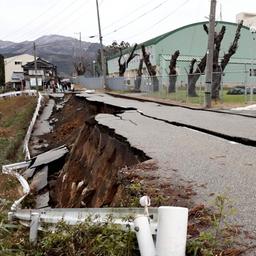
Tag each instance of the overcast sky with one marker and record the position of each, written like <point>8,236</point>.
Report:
<point>128,20</point>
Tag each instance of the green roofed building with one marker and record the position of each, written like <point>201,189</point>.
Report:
<point>191,41</point>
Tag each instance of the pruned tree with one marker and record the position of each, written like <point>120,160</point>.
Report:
<point>194,74</point>
<point>173,72</point>
<point>218,68</point>
<point>138,77</point>
<point>110,51</point>
<point>123,66</point>
<point>150,68</point>
<point>80,68</point>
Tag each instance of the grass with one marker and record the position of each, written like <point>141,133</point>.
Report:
<point>181,96</point>
<point>15,116</point>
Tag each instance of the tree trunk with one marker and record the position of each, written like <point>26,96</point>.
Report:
<point>151,69</point>
<point>138,78</point>
<point>192,80</point>
<point>155,82</point>
<point>172,83</point>
<point>173,72</point>
<point>193,76</point>
<point>124,66</point>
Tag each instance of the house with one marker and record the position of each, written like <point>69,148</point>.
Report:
<point>191,41</point>
<point>45,72</point>
<point>14,71</point>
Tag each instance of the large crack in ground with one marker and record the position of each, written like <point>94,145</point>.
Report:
<point>97,152</point>
<point>240,140</point>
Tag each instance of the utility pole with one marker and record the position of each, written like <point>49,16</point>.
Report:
<point>103,66</point>
<point>210,50</point>
<point>35,59</point>
<point>80,44</point>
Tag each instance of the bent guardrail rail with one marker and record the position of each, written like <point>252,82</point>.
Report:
<point>11,170</point>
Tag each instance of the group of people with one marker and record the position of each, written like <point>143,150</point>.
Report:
<point>57,85</point>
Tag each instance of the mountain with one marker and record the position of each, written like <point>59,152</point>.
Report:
<point>60,50</point>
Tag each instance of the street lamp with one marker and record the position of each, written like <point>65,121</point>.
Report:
<point>93,67</point>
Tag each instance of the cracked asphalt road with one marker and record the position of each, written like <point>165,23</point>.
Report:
<point>220,165</point>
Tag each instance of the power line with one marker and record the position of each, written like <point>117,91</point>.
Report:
<point>159,21</point>
<point>32,20</point>
<point>128,15</point>
<point>52,20</point>
<point>73,12</point>
<point>68,21</point>
<point>139,17</point>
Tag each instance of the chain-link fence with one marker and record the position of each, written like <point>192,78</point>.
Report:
<point>233,88</point>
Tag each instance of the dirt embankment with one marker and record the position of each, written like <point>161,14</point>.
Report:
<point>89,177</point>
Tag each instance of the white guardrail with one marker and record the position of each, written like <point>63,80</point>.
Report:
<point>31,126</point>
<point>169,224</point>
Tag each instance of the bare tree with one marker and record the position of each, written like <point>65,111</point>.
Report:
<point>194,75</point>
<point>173,72</point>
<point>123,66</point>
<point>150,68</point>
<point>80,68</point>
<point>219,68</point>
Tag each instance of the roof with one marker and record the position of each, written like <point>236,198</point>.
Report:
<point>40,62</point>
<point>159,38</point>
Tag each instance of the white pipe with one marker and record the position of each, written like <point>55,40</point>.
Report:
<point>172,231</point>
<point>144,236</point>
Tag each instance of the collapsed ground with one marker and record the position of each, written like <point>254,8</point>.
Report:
<point>100,163</point>
<point>102,169</point>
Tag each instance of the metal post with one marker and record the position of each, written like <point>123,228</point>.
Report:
<point>210,50</point>
<point>101,49</point>
<point>34,227</point>
<point>144,236</point>
<point>35,59</point>
<point>94,71</point>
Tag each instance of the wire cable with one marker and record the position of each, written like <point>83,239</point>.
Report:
<point>128,15</point>
<point>32,20</point>
<point>159,21</point>
<point>139,17</point>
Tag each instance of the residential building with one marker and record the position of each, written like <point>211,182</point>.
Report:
<point>45,72</point>
<point>14,70</point>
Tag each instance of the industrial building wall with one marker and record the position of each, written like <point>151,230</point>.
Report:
<point>191,41</point>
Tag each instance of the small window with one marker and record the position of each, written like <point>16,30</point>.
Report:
<point>18,62</point>
<point>252,72</point>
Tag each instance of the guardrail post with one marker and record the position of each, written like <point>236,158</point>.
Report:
<point>171,231</point>
<point>144,236</point>
<point>34,227</point>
